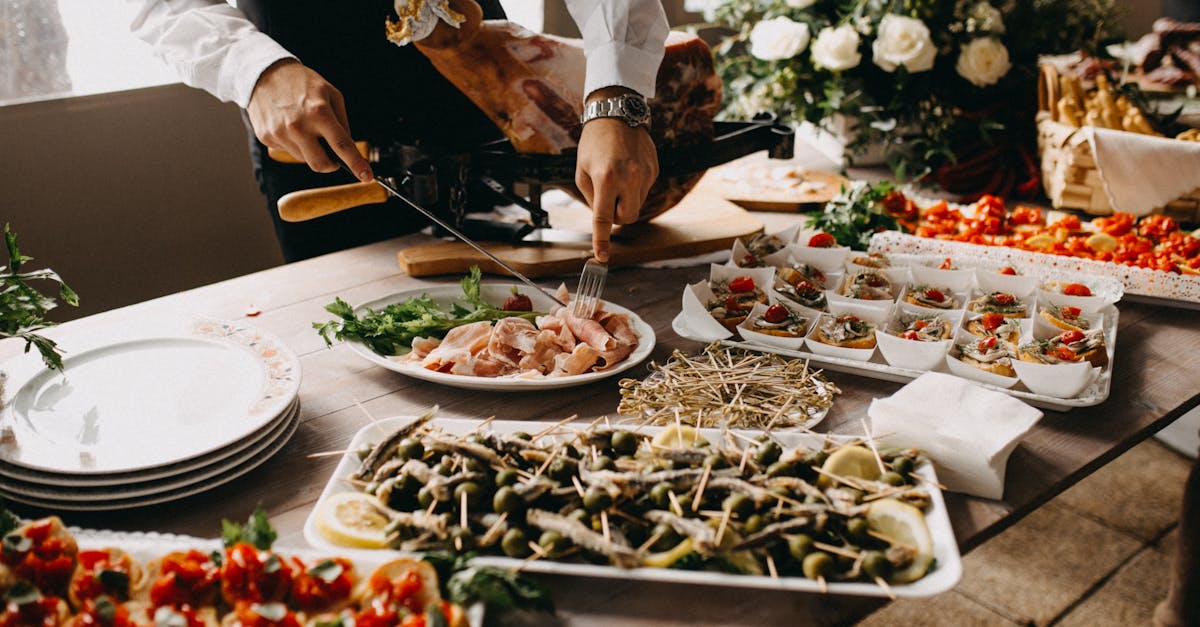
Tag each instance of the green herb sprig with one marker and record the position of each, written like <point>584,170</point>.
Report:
<point>855,215</point>
<point>391,330</point>
<point>500,589</point>
<point>256,531</point>
<point>23,307</point>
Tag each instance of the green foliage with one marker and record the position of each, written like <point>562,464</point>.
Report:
<point>499,589</point>
<point>855,215</point>
<point>23,307</point>
<point>391,330</point>
<point>256,531</point>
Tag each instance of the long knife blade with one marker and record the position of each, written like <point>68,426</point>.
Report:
<point>390,186</point>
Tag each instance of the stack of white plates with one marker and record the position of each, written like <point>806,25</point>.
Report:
<point>146,416</point>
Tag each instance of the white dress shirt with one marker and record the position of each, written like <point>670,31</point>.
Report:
<point>215,48</point>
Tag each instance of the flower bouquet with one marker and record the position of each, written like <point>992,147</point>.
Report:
<point>946,88</point>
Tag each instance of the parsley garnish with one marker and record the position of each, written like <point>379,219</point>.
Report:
<point>257,531</point>
<point>855,215</point>
<point>22,307</point>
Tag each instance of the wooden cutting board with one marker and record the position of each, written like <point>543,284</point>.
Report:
<point>761,184</point>
<point>702,223</point>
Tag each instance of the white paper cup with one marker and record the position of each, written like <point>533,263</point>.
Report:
<point>821,348</point>
<point>1062,380</point>
<point>911,354</point>
<point>989,280</point>
<point>955,280</point>
<point>958,298</point>
<point>827,259</point>
<point>746,329</point>
<point>966,371</point>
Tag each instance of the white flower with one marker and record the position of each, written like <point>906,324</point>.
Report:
<point>987,18</point>
<point>800,4</point>
<point>984,61</point>
<point>778,38</point>
<point>903,41</point>
<point>836,49</point>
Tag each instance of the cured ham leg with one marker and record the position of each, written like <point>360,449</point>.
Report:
<point>531,86</point>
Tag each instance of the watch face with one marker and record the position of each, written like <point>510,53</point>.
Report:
<point>636,108</point>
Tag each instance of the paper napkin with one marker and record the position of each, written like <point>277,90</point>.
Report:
<point>966,430</point>
<point>1142,173</point>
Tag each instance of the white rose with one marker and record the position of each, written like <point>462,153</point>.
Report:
<point>801,4</point>
<point>778,38</point>
<point>987,18</point>
<point>836,49</point>
<point>903,41</point>
<point>984,61</point>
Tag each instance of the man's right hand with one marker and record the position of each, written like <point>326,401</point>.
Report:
<point>293,107</point>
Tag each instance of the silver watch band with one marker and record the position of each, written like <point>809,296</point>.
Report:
<point>630,108</point>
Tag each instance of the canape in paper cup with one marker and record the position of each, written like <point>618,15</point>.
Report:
<point>696,316</point>
<point>1010,330</point>
<point>743,257</point>
<point>859,260</point>
<point>846,335</point>
<point>1051,319</point>
<point>933,297</point>
<point>963,361</point>
<point>906,343</point>
<point>803,294</point>
<point>1090,295</point>
<point>1003,302</point>
<point>1061,380</point>
<point>827,259</point>
<point>726,298</point>
<point>781,325</point>
<point>869,285</point>
<point>957,280</point>
<point>794,268</point>
<point>989,279</point>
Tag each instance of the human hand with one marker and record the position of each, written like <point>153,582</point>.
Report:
<point>292,108</point>
<point>615,167</point>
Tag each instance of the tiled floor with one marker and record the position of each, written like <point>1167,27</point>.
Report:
<point>1097,555</point>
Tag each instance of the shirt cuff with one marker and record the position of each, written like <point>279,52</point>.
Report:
<point>616,63</point>
<point>246,61</point>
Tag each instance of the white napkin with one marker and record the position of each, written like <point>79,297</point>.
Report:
<point>1142,173</point>
<point>966,430</point>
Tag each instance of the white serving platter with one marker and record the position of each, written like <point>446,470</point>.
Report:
<point>944,574</point>
<point>496,293</point>
<point>149,397</point>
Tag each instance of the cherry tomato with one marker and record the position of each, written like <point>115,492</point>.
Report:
<point>1004,298</point>
<point>1069,313</point>
<point>775,314</point>
<point>518,302</point>
<point>1009,270</point>
<point>920,324</point>
<point>992,321</point>
<point>1065,354</point>
<point>1076,289</point>
<point>910,335</point>
<point>822,240</point>
<point>1070,337</point>
<point>947,264</point>
<point>987,342</point>
<point>742,284</point>
<point>732,303</point>
<point>935,295</point>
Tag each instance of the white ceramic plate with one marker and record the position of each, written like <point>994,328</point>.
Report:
<point>496,293</point>
<point>100,505</point>
<point>142,488</point>
<point>94,482</point>
<point>151,398</point>
<point>945,573</point>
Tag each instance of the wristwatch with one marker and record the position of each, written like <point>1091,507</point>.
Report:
<point>631,108</point>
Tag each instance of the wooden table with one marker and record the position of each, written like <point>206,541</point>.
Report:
<point>1157,358</point>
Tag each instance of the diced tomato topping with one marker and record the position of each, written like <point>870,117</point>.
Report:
<point>775,314</point>
<point>1069,313</point>
<point>1070,337</point>
<point>1003,298</point>
<point>1076,289</point>
<point>331,583</point>
<point>1009,270</point>
<point>935,295</point>
<point>920,324</point>
<point>741,284</point>
<point>910,335</point>
<point>991,321</point>
<point>48,560</point>
<point>39,612</point>
<point>186,578</point>
<point>987,342</point>
<point>249,574</point>
<point>1024,214</point>
<point>1064,353</point>
<point>822,240</point>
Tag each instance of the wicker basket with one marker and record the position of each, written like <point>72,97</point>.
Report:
<point>1069,172</point>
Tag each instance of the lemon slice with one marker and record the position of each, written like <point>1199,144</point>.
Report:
<point>353,519</point>
<point>1101,242</point>
<point>849,461</point>
<point>905,526</point>
<point>1041,241</point>
<point>678,436</point>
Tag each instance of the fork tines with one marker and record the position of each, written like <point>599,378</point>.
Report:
<point>591,285</point>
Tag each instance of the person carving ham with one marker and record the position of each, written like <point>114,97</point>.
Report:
<point>307,71</point>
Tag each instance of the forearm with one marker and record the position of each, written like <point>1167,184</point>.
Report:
<point>210,44</point>
<point>623,40</point>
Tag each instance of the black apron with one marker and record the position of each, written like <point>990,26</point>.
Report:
<point>392,94</point>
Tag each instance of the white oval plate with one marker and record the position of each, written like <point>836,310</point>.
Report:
<point>154,397</point>
<point>496,293</point>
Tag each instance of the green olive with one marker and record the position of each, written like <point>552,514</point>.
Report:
<point>816,458</point>
<point>473,492</point>
<point>462,537</point>
<point>597,499</point>
<point>856,528</point>
<point>844,561</point>
<point>799,545</point>
<point>668,464</point>
<point>514,543</point>
<point>604,462</point>
<point>876,564</point>
<point>410,448</point>
<point>553,542</point>
<point>425,497</point>
<point>660,494</point>
<point>817,565</point>
<point>507,501</point>
<point>477,439</point>
<point>667,537</point>
<point>716,461</point>
<point>506,477</point>
<point>569,451</point>
<point>738,504</point>
<point>475,465</point>
<point>767,453</point>
<point>445,467</point>
<point>582,515</point>
<point>902,465</point>
<point>562,469</point>
<point>781,469</point>
<point>624,442</point>
<point>521,435</point>
<point>892,477</point>
<point>754,524</point>
<point>855,494</point>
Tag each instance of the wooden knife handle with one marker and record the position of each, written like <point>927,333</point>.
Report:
<point>283,156</point>
<point>307,204</point>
